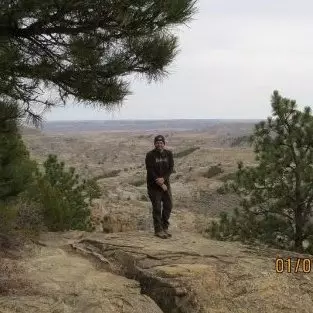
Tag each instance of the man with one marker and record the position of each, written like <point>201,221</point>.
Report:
<point>159,166</point>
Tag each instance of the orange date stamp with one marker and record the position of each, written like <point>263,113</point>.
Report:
<point>293,265</point>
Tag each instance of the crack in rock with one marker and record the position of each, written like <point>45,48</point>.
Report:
<point>164,291</point>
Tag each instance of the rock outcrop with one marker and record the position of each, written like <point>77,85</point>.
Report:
<point>137,272</point>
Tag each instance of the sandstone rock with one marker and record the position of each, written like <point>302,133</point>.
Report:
<point>137,272</point>
<point>65,283</point>
<point>192,274</point>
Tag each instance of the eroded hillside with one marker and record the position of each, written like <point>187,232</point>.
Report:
<point>202,162</point>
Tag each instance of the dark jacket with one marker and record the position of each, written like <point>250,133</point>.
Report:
<point>159,164</point>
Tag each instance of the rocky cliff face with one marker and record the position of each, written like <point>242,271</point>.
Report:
<point>136,272</point>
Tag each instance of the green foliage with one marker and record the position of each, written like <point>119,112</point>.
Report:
<point>221,190</point>
<point>16,168</point>
<point>223,230</point>
<point>16,171</point>
<point>241,140</point>
<point>7,217</point>
<point>20,217</point>
<point>64,197</point>
<point>277,193</point>
<point>228,177</point>
<point>185,152</point>
<point>30,199</point>
<point>85,50</point>
<point>29,218</point>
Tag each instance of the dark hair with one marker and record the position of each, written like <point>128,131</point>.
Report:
<point>159,138</point>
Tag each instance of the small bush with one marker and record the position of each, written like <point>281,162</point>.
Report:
<point>240,141</point>
<point>243,226</point>
<point>29,218</point>
<point>221,190</point>
<point>20,218</point>
<point>227,177</point>
<point>65,198</point>
<point>185,152</point>
<point>112,173</point>
<point>7,217</point>
<point>213,171</point>
<point>227,228</point>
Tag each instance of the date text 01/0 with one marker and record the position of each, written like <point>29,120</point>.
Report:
<point>293,265</point>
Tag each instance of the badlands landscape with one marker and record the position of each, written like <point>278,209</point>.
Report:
<point>203,159</point>
<point>122,267</point>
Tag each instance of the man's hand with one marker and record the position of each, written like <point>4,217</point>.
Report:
<point>164,187</point>
<point>160,181</point>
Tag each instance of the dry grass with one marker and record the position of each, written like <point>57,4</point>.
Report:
<point>138,182</point>
<point>113,173</point>
<point>11,277</point>
<point>12,273</point>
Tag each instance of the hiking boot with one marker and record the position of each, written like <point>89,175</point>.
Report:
<point>161,234</point>
<point>169,235</point>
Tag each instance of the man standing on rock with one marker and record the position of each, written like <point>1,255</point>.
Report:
<point>159,166</point>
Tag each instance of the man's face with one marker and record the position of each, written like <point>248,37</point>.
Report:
<point>159,145</point>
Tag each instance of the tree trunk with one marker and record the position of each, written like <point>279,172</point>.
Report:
<point>299,229</point>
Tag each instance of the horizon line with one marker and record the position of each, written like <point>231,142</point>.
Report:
<point>169,119</point>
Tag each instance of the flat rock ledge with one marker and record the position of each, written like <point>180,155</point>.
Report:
<point>137,272</point>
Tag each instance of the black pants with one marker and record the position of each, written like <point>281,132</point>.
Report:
<point>160,217</point>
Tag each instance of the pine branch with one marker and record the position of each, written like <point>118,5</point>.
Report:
<point>86,49</point>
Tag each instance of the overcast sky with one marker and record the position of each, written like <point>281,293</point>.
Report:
<point>233,55</point>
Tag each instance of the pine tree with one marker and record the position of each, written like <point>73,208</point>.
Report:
<point>16,167</point>
<point>64,196</point>
<point>277,193</point>
<point>85,51</point>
